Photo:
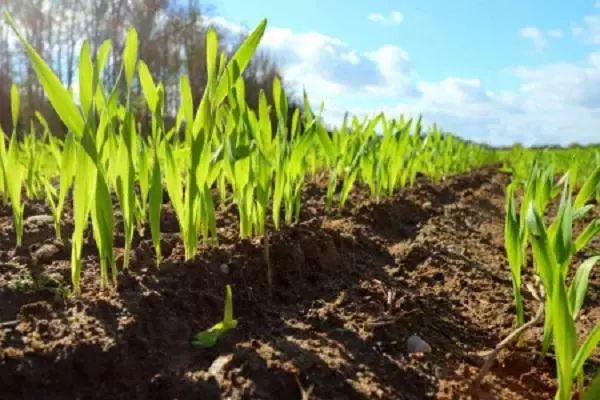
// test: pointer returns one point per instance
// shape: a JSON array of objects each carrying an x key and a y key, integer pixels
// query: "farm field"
[
  {"x": 437, "y": 248},
  {"x": 322, "y": 253}
]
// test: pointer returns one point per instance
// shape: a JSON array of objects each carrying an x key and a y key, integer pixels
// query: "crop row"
[{"x": 221, "y": 144}]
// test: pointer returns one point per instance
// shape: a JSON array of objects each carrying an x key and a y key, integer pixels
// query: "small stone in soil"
[
  {"x": 45, "y": 253},
  {"x": 39, "y": 220},
  {"x": 216, "y": 368},
  {"x": 224, "y": 268},
  {"x": 415, "y": 344}
]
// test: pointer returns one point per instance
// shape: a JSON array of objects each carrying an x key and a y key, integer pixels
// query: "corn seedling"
[
  {"x": 553, "y": 248},
  {"x": 209, "y": 337}
]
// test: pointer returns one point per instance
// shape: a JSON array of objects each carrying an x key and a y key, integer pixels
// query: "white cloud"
[
  {"x": 394, "y": 18},
  {"x": 591, "y": 28},
  {"x": 537, "y": 36},
  {"x": 376, "y": 17},
  {"x": 556, "y": 33},
  {"x": 222, "y": 23},
  {"x": 392, "y": 62},
  {"x": 555, "y": 103},
  {"x": 322, "y": 63},
  {"x": 553, "y": 86},
  {"x": 352, "y": 57}
]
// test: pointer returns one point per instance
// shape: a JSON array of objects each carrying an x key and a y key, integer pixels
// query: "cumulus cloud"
[
  {"x": 554, "y": 85},
  {"x": 556, "y": 103},
  {"x": 322, "y": 63},
  {"x": 376, "y": 17},
  {"x": 393, "y": 66},
  {"x": 536, "y": 35},
  {"x": 394, "y": 18},
  {"x": 326, "y": 66},
  {"x": 590, "y": 29}
]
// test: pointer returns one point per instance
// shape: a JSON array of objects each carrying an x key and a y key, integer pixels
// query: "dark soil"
[{"x": 350, "y": 287}]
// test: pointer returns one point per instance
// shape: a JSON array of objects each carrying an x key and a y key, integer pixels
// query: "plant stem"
[{"x": 267, "y": 256}]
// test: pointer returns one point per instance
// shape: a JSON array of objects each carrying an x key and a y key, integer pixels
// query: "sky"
[{"x": 498, "y": 72}]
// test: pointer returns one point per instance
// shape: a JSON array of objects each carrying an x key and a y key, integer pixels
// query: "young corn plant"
[
  {"x": 12, "y": 168},
  {"x": 154, "y": 96},
  {"x": 188, "y": 200},
  {"x": 553, "y": 248},
  {"x": 513, "y": 238},
  {"x": 209, "y": 337},
  {"x": 65, "y": 158},
  {"x": 193, "y": 201},
  {"x": 127, "y": 148},
  {"x": 91, "y": 190}
]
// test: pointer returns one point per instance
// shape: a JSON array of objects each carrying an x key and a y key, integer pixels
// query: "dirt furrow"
[{"x": 351, "y": 287}]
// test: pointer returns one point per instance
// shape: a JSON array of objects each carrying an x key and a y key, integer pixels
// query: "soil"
[{"x": 350, "y": 287}]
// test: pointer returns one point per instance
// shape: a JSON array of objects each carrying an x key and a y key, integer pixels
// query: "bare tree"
[{"x": 171, "y": 34}]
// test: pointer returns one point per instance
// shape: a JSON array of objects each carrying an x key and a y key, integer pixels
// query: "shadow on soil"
[{"x": 331, "y": 275}]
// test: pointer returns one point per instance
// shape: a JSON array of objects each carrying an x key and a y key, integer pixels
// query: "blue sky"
[{"x": 500, "y": 72}]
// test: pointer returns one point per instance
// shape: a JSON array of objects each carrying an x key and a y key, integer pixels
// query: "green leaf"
[
  {"x": 545, "y": 261},
  {"x": 593, "y": 391},
  {"x": 307, "y": 110},
  {"x": 130, "y": 55},
  {"x": 209, "y": 337},
  {"x": 42, "y": 121},
  {"x": 86, "y": 79},
  {"x": 187, "y": 105},
  {"x": 242, "y": 58},
  {"x": 147, "y": 84},
  {"x": 588, "y": 189},
  {"x": 565, "y": 339},
  {"x": 241, "y": 152},
  {"x": 156, "y": 198},
  {"x": 212, "y": 47},
  {"x": 586, "y": 350},
  {"x": 85, "y": 187},
  {"x": 564, "y": 233},
  {"x": 14, "y": 105},
  {"x": 579, "y": 213},
  {"x": 102, "y": 56},
  {"x": 13, "y": 175},
  {"x": 513, "y": 250},
  {"x": 173, "y": 182},
  {"x": 326, "y": 143},
  {"x": 278, "y": 98},
  {"x": 587, "y": 235},
  {"x": 348, "y": 182},
  {"x": 579, "y": 285}
]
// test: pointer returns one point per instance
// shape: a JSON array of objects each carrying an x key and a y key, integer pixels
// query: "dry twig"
[
  {"x": 491, "y": 356},
  {"x": 8, "y": 323}
]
